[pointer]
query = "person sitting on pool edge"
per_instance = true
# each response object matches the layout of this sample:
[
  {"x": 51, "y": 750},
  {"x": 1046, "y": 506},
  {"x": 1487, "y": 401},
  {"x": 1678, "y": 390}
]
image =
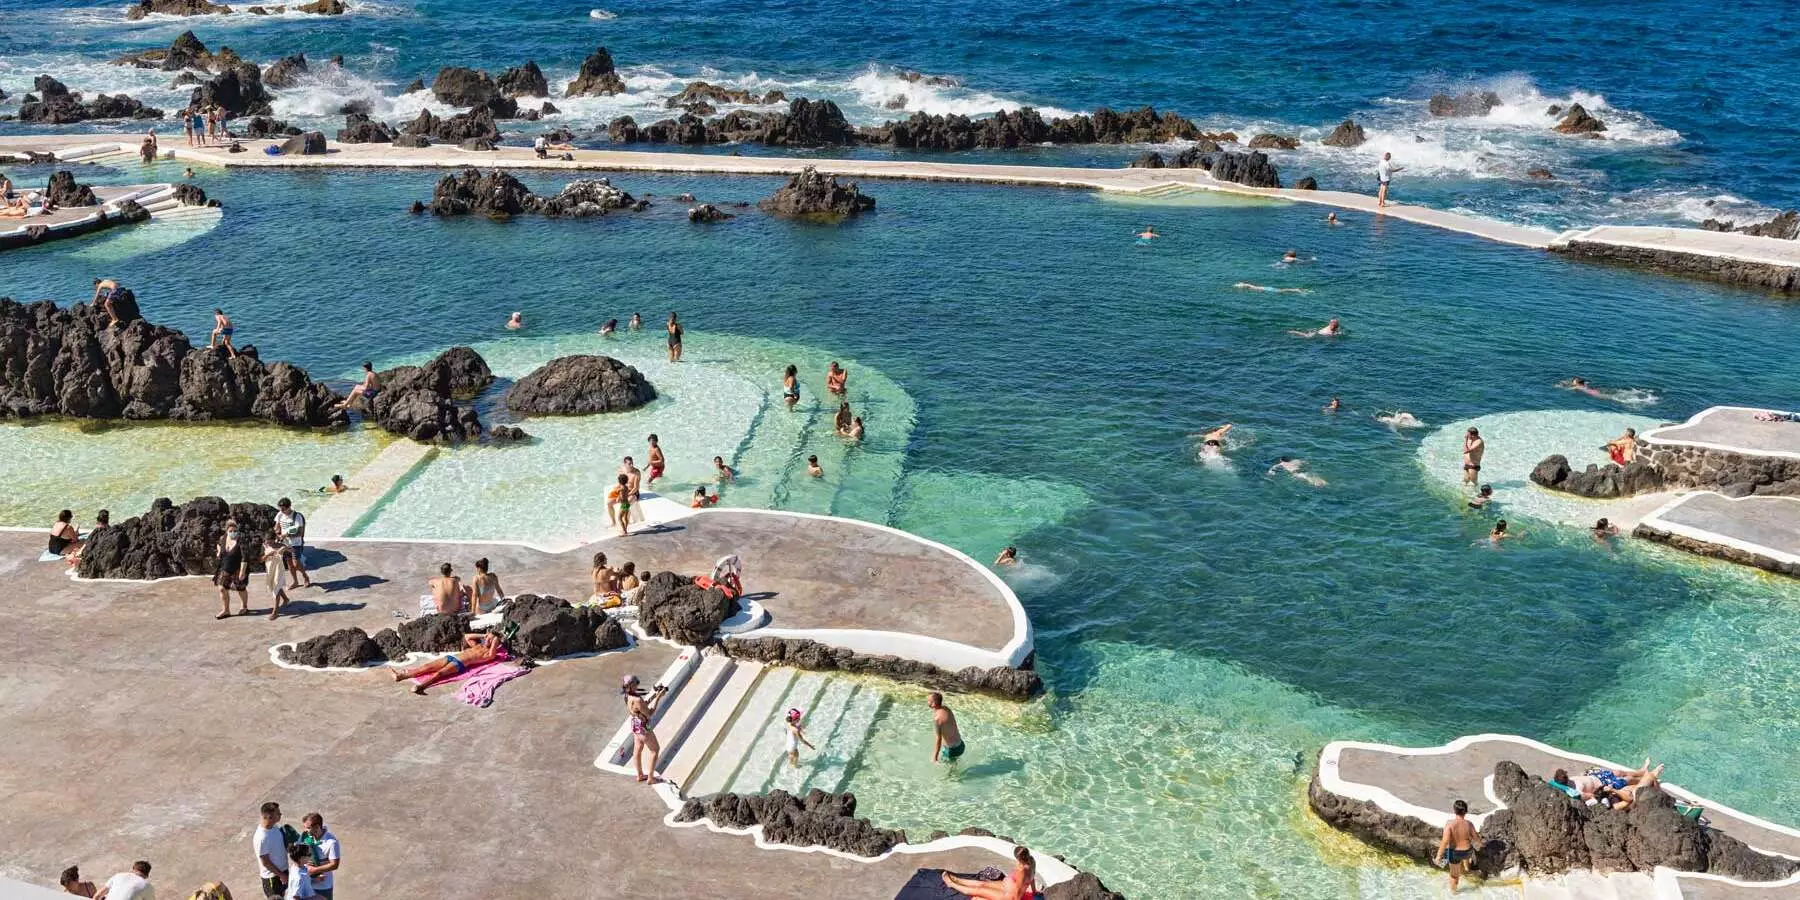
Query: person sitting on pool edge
[{"x": 478, "y": 649}]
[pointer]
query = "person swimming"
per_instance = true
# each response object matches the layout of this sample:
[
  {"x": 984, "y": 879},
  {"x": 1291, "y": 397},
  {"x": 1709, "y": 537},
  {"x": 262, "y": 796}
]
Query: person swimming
[
  {"x": 1580, "y": 385},
  {"x": 1007, "y": 557},
  {"x": 611, "y": 326},
  {"x": 1399, "y": 419},
  {"x": 1603, "y": 530},
  {"x": 1148, "y": 234},
  {"x": 1624, "y": 397},
  {"x": 1296, "y": 468},
  {"x": 1214, "y": 439},
  {"x": 1247, "y": 286},
  {"x": 1331, "y": 329},
  {"x": 637, "y": 322},
  {"x": 336, "y": 486},
  {"x": 1334, "y": 406},
  {"x": 1499, "y": 533},
  {"x": 1290, "y": 257},
  {"x": 1332, "y": 219},
  {"x": 516, "y": 321},
  {"x": 1482, "y": 497}
]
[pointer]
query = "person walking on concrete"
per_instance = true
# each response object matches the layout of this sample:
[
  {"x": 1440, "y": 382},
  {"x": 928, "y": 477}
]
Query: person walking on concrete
[
  {"x": 292, "y": 526},
  {"x": 1385, "y": 173}
]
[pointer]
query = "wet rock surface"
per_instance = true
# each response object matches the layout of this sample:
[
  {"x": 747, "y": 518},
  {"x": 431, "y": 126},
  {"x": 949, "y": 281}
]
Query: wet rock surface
[
  {"x": 814, "y": 194},
  {"x": 819, "y": 819},
  {"x": 497, "y": 194},
  {"x": 171, "y": 540},
  {"x": 52, "y": 103},
  {"x": 1346, "y": 134},
  {"x": 1468, "y": 103},
  {"x": 1252, "y": 169},
  {"x": 144, "y": 8},
  {"x": 1785, "y": 226},
  {"x": 580, "y": 385},
  {"x": 597, "y": 78},
  {"x": 1000, "y": 681},
  {"x": 1578, "y": 121},
  {"x": 238, "y": 89}
]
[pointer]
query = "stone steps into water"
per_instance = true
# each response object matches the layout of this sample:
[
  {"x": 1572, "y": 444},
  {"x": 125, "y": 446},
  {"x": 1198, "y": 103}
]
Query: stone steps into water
[
  {"x": 769, "y": 749},
  {"x": 733, "y": 750},
  {"x": 826, "y": 729},
  {"x": 832, "y": 762},
  {"x": 677, "y": 716},
  {"x": 686, "y": 759}
]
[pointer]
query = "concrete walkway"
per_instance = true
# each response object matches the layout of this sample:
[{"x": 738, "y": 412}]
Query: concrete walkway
[
  {"x": 1761, "y": 531},
  {"x": 1732, "y": 428},
  {"x": 1719, "y": 244}
]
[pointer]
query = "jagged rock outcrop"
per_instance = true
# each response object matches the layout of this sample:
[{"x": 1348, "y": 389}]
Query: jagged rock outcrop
[
  {"x": 1598, "y": 482},
  {"x": 265, "y": 127},
  {"x": 418, "y": 402},
  {"x": 1000, "y": 681},
  {"x": 498, "y": 194},
  {"x": 1084, "y": 886},
  {"x": 1025, "y": 127},
  {"x": 1252, "y": 169},
  {"x": 64, "y": 190},
  {"x": 286, "y": 71},
  {"x": 412, "y": 140},
  {"x": 360, "y": 129},
  {"x": 580, "y": 385},
  {"x": 672, "y": 606},
  {"x": 68, "y": 362},
  {"x": 461, "y": 372},
  {"x": 622, "y": 130},
  {"x": 144, "y": 8},
  {"x": 434, "y": 633},
  {"x": 55, "y": 104},
  {"x": 523, "y": 81},
  {"x": 1465, "y": 104},
  {"x": 820, "y": 820},
  {"x": 549, "y": 627},
  {"x": 462, "y": 86},
  {"x": 238, "y": 89},
  {"x": 186, "y": 52},
  {"x": 706, "y": 213},
  {"x": 596, "y": 78},
  {"x": 1148, "y": 160},
  {"x": 345, "y": 648},
  {"x": 702, "y": 92},
  {"x": 476, "y": 124},
  {"x": 311, "y": 143},
  {"x": 1307, "y": 183},
  {"x": 171, "y": 540},
  {"x": 814, "y": 194},
  {"x": 1267, "y": 141},
  {"x": 1347, "y": 134},
  {"x": 324, "y": 7},
  {"x": 1785, "y": 226},
  {"x": 1578, "y": 121}
]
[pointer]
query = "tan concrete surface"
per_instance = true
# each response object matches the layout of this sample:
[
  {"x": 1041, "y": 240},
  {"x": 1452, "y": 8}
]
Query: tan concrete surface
[
  {"x": 1734, "y": 428},
  {"x": 1766, "y": 525}
]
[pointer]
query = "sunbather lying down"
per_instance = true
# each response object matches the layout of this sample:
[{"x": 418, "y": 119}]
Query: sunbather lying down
[
  {"x": 1616, "y": 788},
  {"x": 477, "y": 649},
  {"x": 1769, "y": 415}
]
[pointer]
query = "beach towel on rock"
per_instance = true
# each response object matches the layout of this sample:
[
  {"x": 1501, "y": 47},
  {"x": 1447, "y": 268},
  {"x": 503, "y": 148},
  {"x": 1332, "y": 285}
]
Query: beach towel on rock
[
  {"x": 478, "y": 688},
  {"x": 928, "y": 884}
]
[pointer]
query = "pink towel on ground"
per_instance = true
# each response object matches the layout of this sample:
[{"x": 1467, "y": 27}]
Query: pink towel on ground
[
  {"x": 466, "y": 673},
  {"x": 478, "y": 689}
]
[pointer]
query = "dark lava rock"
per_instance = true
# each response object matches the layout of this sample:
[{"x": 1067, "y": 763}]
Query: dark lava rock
[
  {"x": 813, "y": 194},
  {"x": 477, "y": 123},
  {"x": 549, "y": 627},
  {"x": 549, "y": 109},
  {"x": 1002, "y": 681},
  {"x": 1468, "y": 103},
  {"x": 524, "y": 81},
  {"x": 285, "y": 72},
  {"x": 1578, "y": 121},
  {"x": 238, "y": 89},
  {"x": 582, "y": 198},
  {"x": 820, "y": 820},
  {"x": 1598, "y": 482},
  {"x": 170, "y": 540},
  {"x": 579, "y": 385},
  {"x": 416, "y": 401},
  {"x": 346, "y": 648},
  {"x": 1347, "y": 134},
  {"x": 64, "y": 190},
  {"x": 596, "y": 77},
  {"x": 1252, "y": 169},
  {"x": 418, "y": 84},
  {"x": 1307, "y": 183},
  {"x": 1026, "y": 127},
  {"x": 1084, "y": 886},
  {"x": 131, "y": 212},
  {"x": 435, "y": 633},
  {"x": 508, "y": 434},
  {"x": 421, "y": 415},
  {"x": 390, "y": 643},
  {"x": 1148, "y": 160},
  {"x": 706, "y": 212},
  {"x": 1785, "y": 226},
  {"x": 311, "y": 143},
  {"x": 52, "y": 103},
  {"x": 412, "y": 140},
  {"x": 360, "y": 129},
  {"x": 496, "y": 194},
  {"x": 1539, "y": 174},
  {"x": 462, "y": 86},
  {"x": 190, "y": 194},
  {"x": 1268, "y": 141},
  {"x": 265, "y": 127},
  {"x": 187, "y": 52},
  {"x": 622, "y": 130},
  {"x": 144, "y": 8},
  {"x": 673, "y": 607},
  {"x": 702, "y": 92},
  {"x": 463, "y": 373},
  {"x": 324, "y": 7}
]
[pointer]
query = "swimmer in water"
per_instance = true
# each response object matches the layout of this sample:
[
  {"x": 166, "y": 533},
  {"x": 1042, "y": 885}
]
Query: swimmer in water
[
  {"x": 1149, "y": 233},
  {"x": 516, "y": 322},
  {"x": 725, "y": 472},
  {"x": 1245, "y": 285},
  {"x": 1399, "y": 419},
  {"x": 1482, "y": 497},
  {"x": 1213, "y": 442},
  {"x": 1581, "y": 385},
  {"x": 1331, "y": 329},
  {"x": 1296, "y": 468},
  {"x": 611, "y": 326},
  {"x": 1332, "y": 219},
  {"x": 1499, "y": 533},
  {"x": 1007, "y": 557},
  {"x": 1333, "y": 406},
  {"x": 335, "y": 487},
  {"x": 1603, "y": 530},
  {"x": 637, "y": 322}
]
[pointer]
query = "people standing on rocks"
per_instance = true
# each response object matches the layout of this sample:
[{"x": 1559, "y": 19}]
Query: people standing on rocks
[
  {"x": 516, "y": 321},
  {"x": 639, "y": 712},
  {"x": 270, "y": 846},
  {"x": 274, "y": 557},
  {"x": 326, "y": 854},
  {"x": 948, "y": 743},
  {"x": 1473, "y": 449},
  {"x": 790, "y": 386},
  {"x": 1019, "y": 884},
  {"x": 292, "y": 526},
  {"x": 233, "y": 573},
  {"x": 132, "y": 885},
  {"x": 447, "y": 591},
  {"x": 796, "y": 736},
  {"x": 367, "y": 389},
  {"x": 484, "y": 592},
  {"x": 675, "y": 330},
  {"x": 657, "y": 462},
  {"x": 1457, "y": 846},
  {"x": 221, "y": 333},
  {"x": 1384, "y": 173},
  {"x": 1624, "y": 448},
  {"x": 835, "y": 377},
  {"x": 65, "y": 538},
  {"x": 725, "y": 472},
  {"x": 477, "y": 649}
]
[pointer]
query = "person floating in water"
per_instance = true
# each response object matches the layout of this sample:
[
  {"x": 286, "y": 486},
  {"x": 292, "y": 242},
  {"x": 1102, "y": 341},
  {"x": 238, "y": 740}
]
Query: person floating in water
[
  {"x": 1007, "y": 557},
  {"x": 1603, "y": 530},
  {"x": 1148, "y": 234},
  {"x": 1482, "y": 497},
  {"x": 1331, "y": 329},
  {"x": 221, "y": 333},
  {"x": 335, "y": 487},
  {"x": 611, "y": 326},
  {"x": 812, "y": 467},
  {"x": 1247, "y": 286},
  {"x": 516, "y": 321},
  {"x": 1293, "y": 256},
  {"x": 1581, "y": 385},
  {"x": 1399, "y": 418},
  {"x": 637, "y": 322},
  {"x": 1296, "y": 468},
  {"x": 1623, "y": 449},
  {"x": 1499, "y": 533},
  {"x": 1334, "y": 406}
]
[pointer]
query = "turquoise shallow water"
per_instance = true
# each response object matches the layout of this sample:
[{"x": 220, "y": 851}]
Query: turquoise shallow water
[{"x": 1038, "y": 375}]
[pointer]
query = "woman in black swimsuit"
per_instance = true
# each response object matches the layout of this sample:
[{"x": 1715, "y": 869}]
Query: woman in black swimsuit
[
  {"x": 674, "y": 339},
  {"x": 63, "y": 536},
  {"x": 233, "y": 573}
]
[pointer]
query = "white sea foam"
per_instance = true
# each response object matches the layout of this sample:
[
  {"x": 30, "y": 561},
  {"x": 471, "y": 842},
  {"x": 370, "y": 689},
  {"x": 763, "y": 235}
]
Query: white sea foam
[
  {"x": 877, "y": 86},
  {"x": 602, "y": 15}
]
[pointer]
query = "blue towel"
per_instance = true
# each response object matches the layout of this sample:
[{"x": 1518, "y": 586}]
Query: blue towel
[
  {"x": 273, "y": 149},
  {"x": 928, "y": 884}
]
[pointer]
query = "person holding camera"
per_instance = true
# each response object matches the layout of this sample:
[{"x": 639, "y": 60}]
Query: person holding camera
[{"x": 640, "y": 710}]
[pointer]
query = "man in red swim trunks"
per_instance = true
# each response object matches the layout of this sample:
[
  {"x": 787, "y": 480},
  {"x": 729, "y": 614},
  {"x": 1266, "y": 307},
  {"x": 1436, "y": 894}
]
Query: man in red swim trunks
[{"x": 656, "y": 461}]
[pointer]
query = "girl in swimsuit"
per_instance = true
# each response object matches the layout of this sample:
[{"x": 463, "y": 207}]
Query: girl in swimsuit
[
  {"x": 63, "y": 535},
  {"x": 674, "y": 339},
  {"x": 640, "y": 711},
  {"x": 726, "y": 473},
  {"x": 790, "y": 386},
  {"x": 477, "y": 649},
  {"x": 1020, "y": 883},
  {"x": 486, "y": 588}
]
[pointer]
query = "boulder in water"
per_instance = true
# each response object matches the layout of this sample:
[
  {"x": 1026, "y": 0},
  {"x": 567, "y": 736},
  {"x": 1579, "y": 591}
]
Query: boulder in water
[
  {"x": 1468, "y": 103},
  {"x": 1578, "y": 121},
  {"x": 523, "y": 81},
  {"x": 1347, "y": 134},
  {"x": 324, "y": 7},
  {"x": 814, "y": 194},
  {"x": 285, "y": 72},
  {"x": 463, "y": 86},
  {"x": 1267, "y": 141},
  {"x": 238, "y": 89},
  {"x": 596, "y": 78},
  {"x": 706, "y": 213},
  {"x": 580, "y": 385},
  {"x": 1251, "y": 169},
  {"x": 144, "y": 8}
]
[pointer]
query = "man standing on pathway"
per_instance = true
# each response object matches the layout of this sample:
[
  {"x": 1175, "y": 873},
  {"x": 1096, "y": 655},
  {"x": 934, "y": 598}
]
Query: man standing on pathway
[
  {"x": 293, "y": 528},
  {"x": 1385, "y": 172},
  {"x": 325, "y": 853},
  {"x": 1457, "y": 846}
]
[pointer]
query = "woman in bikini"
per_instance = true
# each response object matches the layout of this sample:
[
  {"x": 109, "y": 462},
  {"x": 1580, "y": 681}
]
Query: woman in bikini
[
  {"x": 486, "y": 588},
  {"x": 367, "y": 390},
  {"x": 1019, "y": 884},
  {"x": 478, "y": 649},
  {"x": 643, "y": 737},
  {"x": 790, "y": 386},
  {"x": 603, "y": 576}
]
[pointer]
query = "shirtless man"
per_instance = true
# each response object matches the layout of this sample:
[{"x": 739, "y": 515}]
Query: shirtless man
[
  {"x": 949, "y": 743},
  {"x": 1296, "y": 468},
  {"x": 1331, "y": 329},
  {"x": 633, "y": 476},
  {"x": 103, "y": 297},
  {"x": 1457, "y": 846},
  {"x": 1581, "y": 385},
  {"x": 835, "y": 378},
  {"x": 1333, "y": 406},
  {"x": 1473, "y": 448},
  {"x": 1148, "y": 233},
  {"x": 221, "y": 332},
  {"x": 1270, "y": 290},
  {"x": 366, "y": 390},
  {"x": 447, "y": 591},
  {"x": 477, "y": 650},
  {"x": 1623, "y": 449},
  {"x": 657, "y": 462}
]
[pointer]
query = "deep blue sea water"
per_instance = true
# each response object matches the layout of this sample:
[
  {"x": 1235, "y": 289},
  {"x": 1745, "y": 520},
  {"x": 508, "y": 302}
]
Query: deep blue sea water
[{"x": 1201, "y": 628}]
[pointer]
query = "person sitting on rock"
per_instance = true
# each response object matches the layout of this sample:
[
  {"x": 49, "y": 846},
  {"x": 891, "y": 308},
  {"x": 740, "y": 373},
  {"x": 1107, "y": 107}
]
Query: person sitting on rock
[
  {"x": 1623, "y": 449},
  {"x": 478, "y": 649},
  {"x": 448, "y": 594},
  {"x": 367, "y": 390}
]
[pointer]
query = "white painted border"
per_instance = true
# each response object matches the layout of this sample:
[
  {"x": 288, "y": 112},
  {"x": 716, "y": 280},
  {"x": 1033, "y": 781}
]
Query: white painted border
[
  {"x": 1656, "y": 520},
  {"x": 1655, "y": 435}
]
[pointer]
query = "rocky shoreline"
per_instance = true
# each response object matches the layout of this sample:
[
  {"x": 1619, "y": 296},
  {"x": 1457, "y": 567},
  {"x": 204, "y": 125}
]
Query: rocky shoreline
[
  {"x": 1785, "y": 279},
  {"x": 1660, "y": 467},
  {"x": 1000, "y": 681}
]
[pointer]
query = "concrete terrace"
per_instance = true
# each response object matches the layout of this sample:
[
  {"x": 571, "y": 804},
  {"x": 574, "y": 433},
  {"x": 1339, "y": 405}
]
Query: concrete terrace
[
  {"x": 1763, "y": 531},
  {"x": 1424, "y": 782},
  {"x": 1732, "y": 428},
  {"x": 139, "y": 727}
]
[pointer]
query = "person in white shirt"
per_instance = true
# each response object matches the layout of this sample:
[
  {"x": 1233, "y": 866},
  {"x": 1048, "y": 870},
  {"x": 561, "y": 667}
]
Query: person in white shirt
[
  {"x": 1385, "y": 173},
  {"x": 299, "y": 883},
  {"x": 541, "y": 146},
  {"x": 132, "y": 885},
  {"x": 292, "y": 525},
  {"x": 271, "y": 852},
  {"x": 325, "y": 856}
]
